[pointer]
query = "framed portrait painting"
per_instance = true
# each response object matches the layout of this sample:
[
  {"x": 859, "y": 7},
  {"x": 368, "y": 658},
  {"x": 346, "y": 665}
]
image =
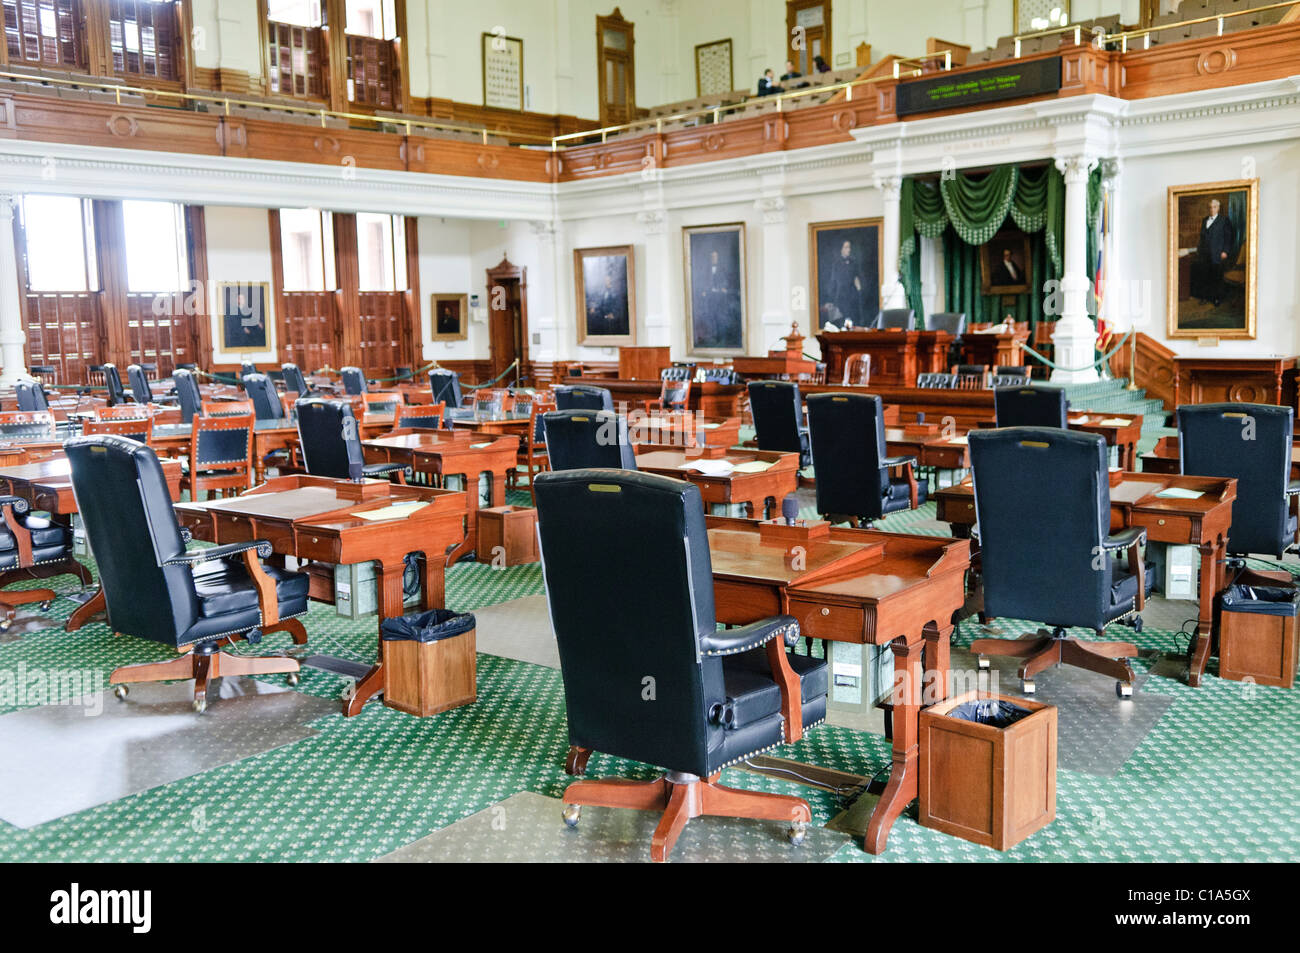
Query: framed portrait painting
[
  {"x": 844, "y": 259},
  {"x": 450, "y": 317},
  {"x": 605, "y": 279},
  {"x": 715, "y": 288},
  {"x": 244, "y": 309},
  {"x": 1006, "y": 263},
  {"x": 1210, "y": 282}
]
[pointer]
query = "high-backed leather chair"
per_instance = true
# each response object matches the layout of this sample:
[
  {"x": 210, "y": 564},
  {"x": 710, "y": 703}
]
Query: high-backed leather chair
[
  {"x": 141, "y": 392},
  {"x": 583, "y": 397},
  {"x": 897, "y": 319},
  {"x": 187, "y": 392},
  {"x": 720, "y": 696},
  {"x": 155, "y": 589},
  {"x": 331, "y": 443},
  {"x": 1030, "y": 406},
  {"x": 930, "y": 380},
  {"x": 113, "y": 383},
  {"x": 778, "y": 418},
  {"x": 1251, "y": 443},
  {"x": 293, "y": 379},
  {"x": 954, "y": 322},
  {"x": 445, "y": 385},
  {"x": 221, "y": 454},
  {"x": 354, "y": 381},
  {"x": 970, "y": 376},
  {"x": 419, "y": 416},
  {"x": 1042, "y": 505},
  {"x": 246, "y": 368},
  {"x": 577, "y": 439},
  {"x": 673, "y": 395},
  {"x": 266, "y": 401},
  {"x": 41, "y": 547},
  {"x": 855, "y": 479},
  {"x": 31, "y": 395}
]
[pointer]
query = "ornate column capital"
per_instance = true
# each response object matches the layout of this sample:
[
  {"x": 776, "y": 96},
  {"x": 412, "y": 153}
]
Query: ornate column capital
[
  {"x": 652, "y": 220},
  {"x": 773, "y": 208},
  {"x": 890, "y": 185},
  {"x": 1109, "y": 168},
  {"x": 1075, "y": 168}
]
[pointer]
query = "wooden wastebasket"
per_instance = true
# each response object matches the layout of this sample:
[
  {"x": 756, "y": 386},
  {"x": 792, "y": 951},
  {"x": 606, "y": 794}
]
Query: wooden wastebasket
[
  {"x": 992, "y": 786},
  {"x": 508, "y": 532},
  {"x": 424, "y": 678},
  {"x": 1258, "y": 647}
]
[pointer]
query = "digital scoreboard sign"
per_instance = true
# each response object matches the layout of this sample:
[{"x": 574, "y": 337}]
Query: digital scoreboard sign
[{"x": 1015, "y": 80}]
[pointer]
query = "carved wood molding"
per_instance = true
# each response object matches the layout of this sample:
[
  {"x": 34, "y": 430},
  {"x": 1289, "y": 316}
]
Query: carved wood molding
[
  {"x": 1216, "y": 61},
  {"x": 122, "y": 126}
]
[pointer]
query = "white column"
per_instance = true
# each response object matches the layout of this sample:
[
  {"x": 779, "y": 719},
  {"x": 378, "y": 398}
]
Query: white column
[
  {"x": 1075, "y": 337},
  {"x": 12, "y": 337},
  {"x": 774, "y": 319},
  {"x": 656, "y": 330},
  {"x": 891, "y": 289},
  {"x": 548, "y": 340}
]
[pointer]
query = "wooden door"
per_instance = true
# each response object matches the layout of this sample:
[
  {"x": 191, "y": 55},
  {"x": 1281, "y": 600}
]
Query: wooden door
[
  {"x": 808, "y": 34},
  {"x": 507, "y": 292},
  {"x": 616, "y": 65}
]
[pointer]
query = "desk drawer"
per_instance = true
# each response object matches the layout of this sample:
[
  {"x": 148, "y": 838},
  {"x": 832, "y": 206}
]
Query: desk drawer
[
  {"x": 1166, "y": 527},
  {"x": 826, "y": 621}
]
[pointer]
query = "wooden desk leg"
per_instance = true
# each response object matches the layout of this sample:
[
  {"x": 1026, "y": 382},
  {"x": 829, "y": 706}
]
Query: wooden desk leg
[
  {"x": 471, "y": 520},
  {"x": 1212, "y": 556},
  {"x": 902, "y": 787},
  {"x": 435, "y": 581},
  {"x": 388, "y": 580},
  {"x": 85, "y": 612},
  {"x": 938, "y": 664}
]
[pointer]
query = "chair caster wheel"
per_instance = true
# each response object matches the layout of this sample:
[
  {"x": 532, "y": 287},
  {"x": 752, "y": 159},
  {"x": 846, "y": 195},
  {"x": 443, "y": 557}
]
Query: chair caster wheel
[
  {"x": 797, "y": 832},
  {"x": 1137, "y": 623},
  {"x": 5, "y": 624},
  {"x": 121, "y": 691},
  {"x": 200, "y": 705},
  {"x": 1027, "y": 686},
  {"x": 984, "y": 664},
  {"x": 572, "y": 812},
  {"x": 47, "y": 605},
  {"x": 293, "y": 678},
  {"x": 1123, "y": 689}
]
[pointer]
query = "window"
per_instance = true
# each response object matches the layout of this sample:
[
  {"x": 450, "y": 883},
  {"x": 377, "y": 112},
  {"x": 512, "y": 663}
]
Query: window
[
  {"x": 60, "y": 244},
  {"x": 307, "y": 13},
  {"x": 44, "y": 32},
  {"x": 373, "y": 18},
  {"x": 142, "y": 38},
  {"x": 156, "y": 259},
  {"x": 307, "y": 249},
  {"x": 295, "y": 48},
  {"x": 381, "y": 252}
]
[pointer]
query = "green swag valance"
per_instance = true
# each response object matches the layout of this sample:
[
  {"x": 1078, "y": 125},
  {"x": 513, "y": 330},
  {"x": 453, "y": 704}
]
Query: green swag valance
[{"x": 976, "y": 207}]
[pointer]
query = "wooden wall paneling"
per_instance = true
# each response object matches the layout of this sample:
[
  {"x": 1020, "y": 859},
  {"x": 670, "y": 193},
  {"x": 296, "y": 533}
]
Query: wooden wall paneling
[
  {"x": 504, "y": 121},
  {"x": 382, "y": 341},
  {"x": 347, "y": 330},
  {"x": 413, "y": 331},
  {"x": 307, "y": 141},
  {"x": 110, "y": 250},
  {"x": 626, "y": 153},
  {"x": 734, "y": 137},
  {"x": 196, "y": 248},
  {"x": 1246, "y": 56},
  {"x": 453, "y": 157},
  {"x": 48, "y": 119},
  {"x": 304, "y": 320}
]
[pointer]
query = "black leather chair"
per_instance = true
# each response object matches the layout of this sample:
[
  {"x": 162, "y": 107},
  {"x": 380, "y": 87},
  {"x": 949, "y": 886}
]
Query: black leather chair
[
  {"x": 854, "y": 479},
  {"x": 31, "y": 395},
  {"x": 354, "y": 382},
  {"x": 155, "y": 589},
  {"x": 720, "y": 697},
  {"x": 1030, "y": 406},
  {"x": 187, "y": 392},
  {"x": 293, "y": 379},
  {"x": 583, "y": 397},
  {"x": 445, "y": 385},
  {"x": 1007, "y": 380},
  {"x": 897, "y": 318},
  {"x": 777, "y": 408},
  {"x": 1042, "y": 507},
  {"x": 265, "y": 398},
  {"x": 402, "y": 372},
  {"x": 1251, "y": 443},
  {"x": 935, "y": 381},
  {"x": 954, "y": 322},
  {"x": 32, "y": 547},
  {"x": 141, "y": 393},
  {"x": 246, "y": 368},
  {"x": 331, "y": 443},
  {"x": 578, "y": 439},
  {"x": 113, "y": 383}
]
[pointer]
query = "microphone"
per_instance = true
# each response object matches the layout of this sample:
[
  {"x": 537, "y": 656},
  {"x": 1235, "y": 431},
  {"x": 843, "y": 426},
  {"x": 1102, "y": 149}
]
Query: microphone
[
  {"x": 790, "y": 510},
  {"x": 354, "y": 471}
]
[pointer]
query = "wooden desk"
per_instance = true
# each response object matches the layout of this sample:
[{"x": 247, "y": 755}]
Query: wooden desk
[
  {"x": 777, "y": 481},
  {"x": 314, "y": 519},
  {"x": 683, "y": 430},
  {"x": 860, "y": 586},
  {"x": 1124, "y": 436},
  {"x": 938, "y": 451},
  {"x": 995, "y": 350},
  {"x": 896, "y": 356},
  {"x": 465, "y": 418},
  {"x": 785, "y": 367},
  {"x": 440, "y": 453},
  {"x": 47, "y": 485},
  {"x": 1202, "y": 522},
  {"x": 710, "y": 398}
]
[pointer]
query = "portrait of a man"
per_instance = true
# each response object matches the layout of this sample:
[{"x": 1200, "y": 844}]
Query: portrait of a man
[
  {"x": 1212, "y": 259},
  {"x": 715, "y": 288},
  {"x": 243, "y": 316},
  {"x": 606, "y": 296},
  {"x": 1006, "y": 264},
  {"x": 450, "y": 313},
  {"x": 846, "y": 272}
]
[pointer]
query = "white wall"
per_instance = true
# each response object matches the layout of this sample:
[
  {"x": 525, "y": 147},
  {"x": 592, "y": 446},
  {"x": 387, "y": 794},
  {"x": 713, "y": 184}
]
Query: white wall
[{"x": 239, "y": 249}]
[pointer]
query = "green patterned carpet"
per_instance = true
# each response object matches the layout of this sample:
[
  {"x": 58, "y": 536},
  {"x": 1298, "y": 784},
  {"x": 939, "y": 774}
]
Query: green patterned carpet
[{"x": 1215, "y": 779}]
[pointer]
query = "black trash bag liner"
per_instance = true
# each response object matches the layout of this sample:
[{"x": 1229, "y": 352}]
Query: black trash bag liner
[
  {"x": 1261, "y": 600},
  {"x": 990, "y": 711},
  {"x": 432, "y": 626}
]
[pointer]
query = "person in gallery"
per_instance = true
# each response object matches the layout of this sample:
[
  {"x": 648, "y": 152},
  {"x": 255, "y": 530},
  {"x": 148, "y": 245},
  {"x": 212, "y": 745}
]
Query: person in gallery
[
  {"x": 767, "y": 84},
  {"x": 1213, "y": 249},
  {"x": 790, "y": 72},
  {"x": 820, "y": 64},
  {"x": 843, "y": 301}
]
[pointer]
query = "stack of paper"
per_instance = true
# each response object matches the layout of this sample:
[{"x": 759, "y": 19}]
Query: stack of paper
[
  {"x": 710, "y": 467},
  {"x": 394, "y": 512}
]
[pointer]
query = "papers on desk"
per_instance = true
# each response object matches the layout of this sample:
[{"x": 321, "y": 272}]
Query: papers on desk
[
  {"x": 710, "y": 467},
  {"x": 753, "y": 466},
  {"x": 1178, "y": 493},
  {"x": 479, "y": 446},
  {"x": 1116, "y": 422},
  {"x": 710, "y": 426},
  {"x": 1079, "y": 420},
  {"x": 396, "y": 511},
  {"x": 958, "y": 441}
]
